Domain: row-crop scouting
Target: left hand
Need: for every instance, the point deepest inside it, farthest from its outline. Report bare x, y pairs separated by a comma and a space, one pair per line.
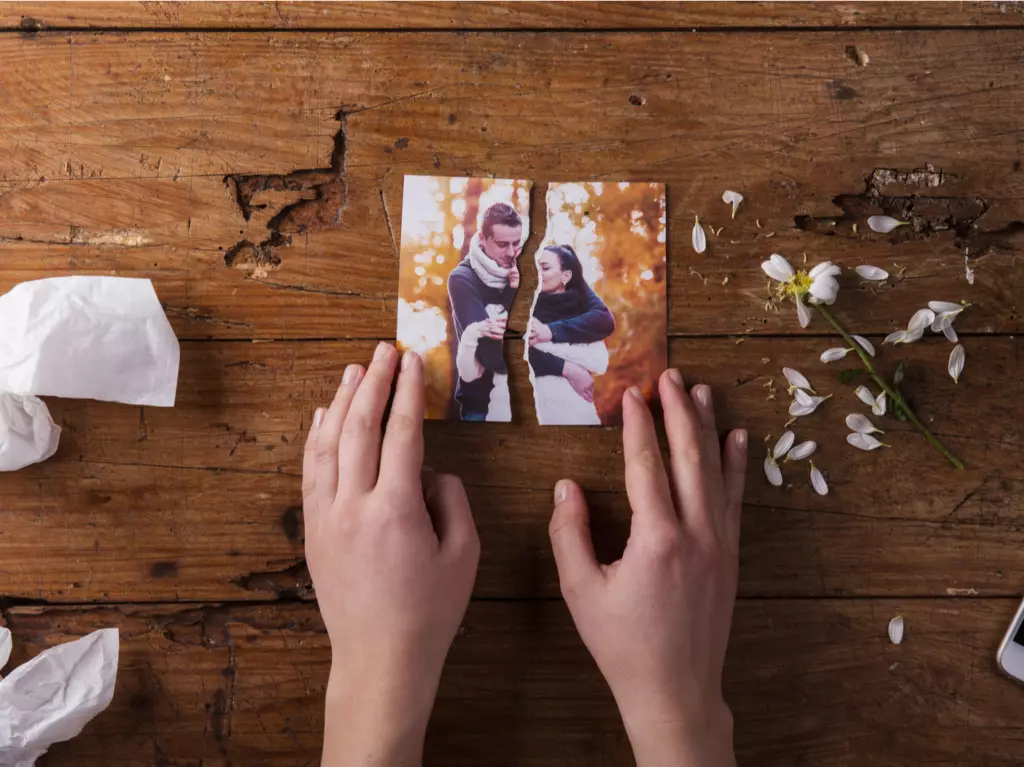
539, 333
513, 278
393, 560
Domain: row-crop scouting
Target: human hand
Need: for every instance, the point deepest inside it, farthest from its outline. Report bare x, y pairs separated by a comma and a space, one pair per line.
657, 621
491, 328
513, 277
580, 380
539, 333
393, 560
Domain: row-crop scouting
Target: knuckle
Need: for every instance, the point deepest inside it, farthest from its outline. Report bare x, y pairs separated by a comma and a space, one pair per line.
648, 461
360, 423
401, 424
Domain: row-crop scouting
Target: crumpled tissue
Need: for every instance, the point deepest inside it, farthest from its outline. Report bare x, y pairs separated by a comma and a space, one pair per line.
104, 338
53, 696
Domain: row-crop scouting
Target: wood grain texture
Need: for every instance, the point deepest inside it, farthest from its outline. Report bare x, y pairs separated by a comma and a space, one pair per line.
508, 15
810, 682
201, 502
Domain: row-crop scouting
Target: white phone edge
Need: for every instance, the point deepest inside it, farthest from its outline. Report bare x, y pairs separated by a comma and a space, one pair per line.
1010, 656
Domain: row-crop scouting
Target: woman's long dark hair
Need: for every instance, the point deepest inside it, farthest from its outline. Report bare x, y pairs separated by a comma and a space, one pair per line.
568, 260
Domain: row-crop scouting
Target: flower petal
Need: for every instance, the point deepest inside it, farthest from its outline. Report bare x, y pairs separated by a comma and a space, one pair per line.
896, 629
956, 362
783, 445
863, 441
803, 397
818, 481
825, 267
861, 424
825, 288
796, 379
835, 353
797, 410
911, 336
801, 451
896, 337
871, 273
782, 265
772, 471
922, 319
865, 344
803, 314
968, 272
884, 224
735, 198
698, 239
879, 405
864, 395
944, 307
950, 333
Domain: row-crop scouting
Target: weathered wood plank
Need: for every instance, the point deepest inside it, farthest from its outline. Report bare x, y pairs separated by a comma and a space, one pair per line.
509, 15
117, 156
809, 681
200, 501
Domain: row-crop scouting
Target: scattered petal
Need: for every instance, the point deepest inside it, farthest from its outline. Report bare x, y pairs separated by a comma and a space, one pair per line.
818, 481
864, 441
803, 314
884, 224
956, 362
778, 268
865, 344
797, 380
950, 333
824, 268
734, 198
923, 318
896, 629
861, 424
864, 395
896, 338
835, 353
804, 403
699, 240
879, 405
801, 451
968, 272
871, 273
945, 307
783, 445
798, 411
772, 471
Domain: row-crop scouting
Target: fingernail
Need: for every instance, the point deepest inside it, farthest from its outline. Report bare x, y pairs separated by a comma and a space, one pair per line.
383, 349
561, 491
704, 396
741, 439
635, 391
318, 417
676, 377
351, 374
408, 359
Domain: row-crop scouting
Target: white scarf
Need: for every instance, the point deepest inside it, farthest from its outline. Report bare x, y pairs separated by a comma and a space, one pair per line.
486, 268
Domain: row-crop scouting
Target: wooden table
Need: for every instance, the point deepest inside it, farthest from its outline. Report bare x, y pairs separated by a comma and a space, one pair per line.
126, 133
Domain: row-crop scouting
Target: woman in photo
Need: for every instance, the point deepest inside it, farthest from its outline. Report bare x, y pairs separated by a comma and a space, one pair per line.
566, 336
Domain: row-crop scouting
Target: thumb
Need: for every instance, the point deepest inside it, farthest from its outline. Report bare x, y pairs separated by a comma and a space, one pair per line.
570, 536
450, 512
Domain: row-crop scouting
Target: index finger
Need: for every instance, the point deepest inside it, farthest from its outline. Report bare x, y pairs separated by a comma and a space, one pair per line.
646, 481
402, 452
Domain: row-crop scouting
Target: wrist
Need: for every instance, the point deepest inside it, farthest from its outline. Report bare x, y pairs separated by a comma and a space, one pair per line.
375, 720
702, 738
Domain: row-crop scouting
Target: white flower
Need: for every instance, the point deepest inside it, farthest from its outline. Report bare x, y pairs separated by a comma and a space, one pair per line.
772, 471
871, 273
818, 481
824, 286
865, 344
778, 268
797, 380
801, 451
921, 320
968, 272
699, 240
804, 404
835, 353
956, 362
864, 395
864, 441
861, 424
896, 629
884, 224
878, 408
945, 315
735, 198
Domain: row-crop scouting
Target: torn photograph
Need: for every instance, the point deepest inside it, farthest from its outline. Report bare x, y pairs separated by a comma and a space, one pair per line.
457, 277
599, 319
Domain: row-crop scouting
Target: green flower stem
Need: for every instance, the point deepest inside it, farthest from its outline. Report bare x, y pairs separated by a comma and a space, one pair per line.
893, 395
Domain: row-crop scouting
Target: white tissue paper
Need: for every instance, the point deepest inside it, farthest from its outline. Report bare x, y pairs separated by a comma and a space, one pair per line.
104, 338
53, 696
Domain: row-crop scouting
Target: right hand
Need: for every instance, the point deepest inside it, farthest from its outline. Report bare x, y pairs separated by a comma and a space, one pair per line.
657, 621
579, 379
491, 328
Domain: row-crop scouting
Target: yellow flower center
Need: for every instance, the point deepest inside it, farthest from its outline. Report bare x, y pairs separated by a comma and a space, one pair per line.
798, 286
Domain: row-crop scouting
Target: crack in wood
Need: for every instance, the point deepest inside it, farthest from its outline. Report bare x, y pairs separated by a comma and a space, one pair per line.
288, 583
324, 210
